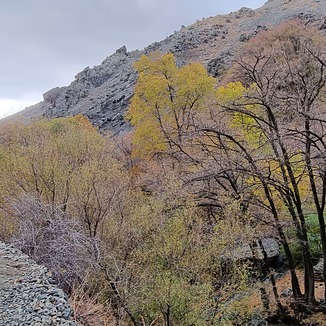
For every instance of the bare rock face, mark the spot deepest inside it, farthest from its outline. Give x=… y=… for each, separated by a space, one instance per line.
x=244 y=252
x=102 y=93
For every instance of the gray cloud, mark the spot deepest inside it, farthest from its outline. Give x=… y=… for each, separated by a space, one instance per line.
x=45 y=42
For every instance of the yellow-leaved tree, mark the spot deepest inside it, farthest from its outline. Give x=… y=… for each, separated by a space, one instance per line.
x=165 y=102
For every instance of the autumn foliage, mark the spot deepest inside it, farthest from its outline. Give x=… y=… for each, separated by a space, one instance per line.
x=147 y=226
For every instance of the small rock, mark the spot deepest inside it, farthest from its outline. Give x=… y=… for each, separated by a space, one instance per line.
x=244 y=38
x=287 y=293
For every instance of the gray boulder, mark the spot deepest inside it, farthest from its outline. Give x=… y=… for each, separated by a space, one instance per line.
x=244 y=252
x=319 y=270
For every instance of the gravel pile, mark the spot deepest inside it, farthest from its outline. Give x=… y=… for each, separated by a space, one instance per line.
x=28 y=294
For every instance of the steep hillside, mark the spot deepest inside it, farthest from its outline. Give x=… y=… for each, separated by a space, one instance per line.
x=102 y=93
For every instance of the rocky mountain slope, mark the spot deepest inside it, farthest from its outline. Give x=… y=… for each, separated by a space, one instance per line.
x=102 y=93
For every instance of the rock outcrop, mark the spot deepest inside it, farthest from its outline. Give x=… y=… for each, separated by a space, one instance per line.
x=245 y=252
x=102 y=93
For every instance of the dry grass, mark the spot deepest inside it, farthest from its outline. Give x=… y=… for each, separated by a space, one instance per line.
x=88 y=311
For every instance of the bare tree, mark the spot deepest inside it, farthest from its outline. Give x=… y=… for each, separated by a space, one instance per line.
x=49 y=237
x=276 y=129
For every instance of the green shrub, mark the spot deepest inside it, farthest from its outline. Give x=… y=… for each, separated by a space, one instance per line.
x=313 y=238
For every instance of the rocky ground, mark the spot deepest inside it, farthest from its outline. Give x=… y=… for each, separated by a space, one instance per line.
x=28 y=295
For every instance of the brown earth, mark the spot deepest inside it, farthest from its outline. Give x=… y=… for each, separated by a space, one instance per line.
x=283 y=285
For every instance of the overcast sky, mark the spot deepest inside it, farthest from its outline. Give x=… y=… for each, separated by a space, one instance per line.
x=45 y=43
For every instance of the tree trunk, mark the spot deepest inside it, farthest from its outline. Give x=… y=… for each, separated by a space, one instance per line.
x=166 y=315
x=272 y=279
